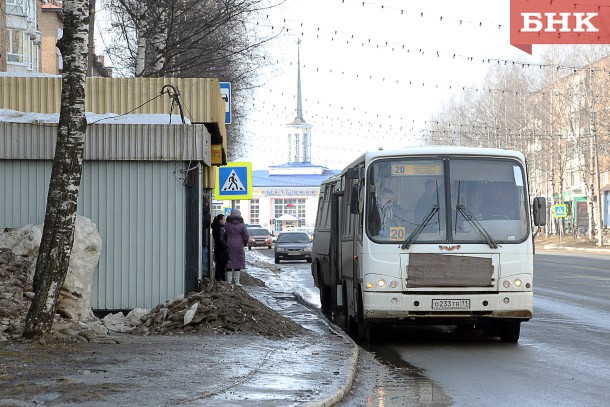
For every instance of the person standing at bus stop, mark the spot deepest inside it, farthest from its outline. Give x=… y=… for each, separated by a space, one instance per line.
x=221 y=248
x=237 y=240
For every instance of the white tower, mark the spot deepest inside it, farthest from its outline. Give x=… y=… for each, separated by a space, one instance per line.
x=299 y=132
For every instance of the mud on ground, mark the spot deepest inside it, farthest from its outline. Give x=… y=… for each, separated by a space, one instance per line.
x=56 y=371
x=570 y=240
x=218 y=307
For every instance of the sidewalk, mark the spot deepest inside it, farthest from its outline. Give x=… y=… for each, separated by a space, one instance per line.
x=313 y=369
x=571 y=244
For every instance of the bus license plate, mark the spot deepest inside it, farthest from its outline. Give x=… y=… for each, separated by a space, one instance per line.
x=450 y=304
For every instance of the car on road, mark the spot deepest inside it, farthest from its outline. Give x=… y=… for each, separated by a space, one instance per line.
x=259 y=237
x=292 y=246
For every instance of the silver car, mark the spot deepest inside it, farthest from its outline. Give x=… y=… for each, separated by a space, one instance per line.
x=292 y=246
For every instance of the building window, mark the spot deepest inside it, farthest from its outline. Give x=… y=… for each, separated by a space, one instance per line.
x=297 y=148
x=216 y=208
x=254 y=212
x=295 y=207
x=15 y=7
x=16 y=50
x=25 y=8
x=33 y=56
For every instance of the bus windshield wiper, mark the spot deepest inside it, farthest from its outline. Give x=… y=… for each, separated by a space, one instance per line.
x=477 y=225
x=420 y=227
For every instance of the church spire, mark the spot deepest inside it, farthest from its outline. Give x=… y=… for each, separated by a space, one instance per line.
x=299 y=133
x=299 y=101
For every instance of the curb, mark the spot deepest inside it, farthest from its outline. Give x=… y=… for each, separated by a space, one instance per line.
x=341 y=392
x=353 y=359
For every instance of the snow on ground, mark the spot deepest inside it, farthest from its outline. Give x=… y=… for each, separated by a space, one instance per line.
x=14 y=116
x=286 y=277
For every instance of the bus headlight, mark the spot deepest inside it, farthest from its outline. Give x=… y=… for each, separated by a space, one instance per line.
x=517 y=283
x=380 y=283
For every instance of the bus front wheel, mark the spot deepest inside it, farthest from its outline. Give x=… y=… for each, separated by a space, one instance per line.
x=349 y=322
x=325 y=297
x=509 y=331
x=366 y=328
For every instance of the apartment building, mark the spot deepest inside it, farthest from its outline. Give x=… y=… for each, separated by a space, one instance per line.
x=51 y=28
x=20 y=38
x=29 y=31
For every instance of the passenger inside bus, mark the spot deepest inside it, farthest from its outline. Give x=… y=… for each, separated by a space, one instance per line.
x=501 y=202
x=426 y=201
x=425 y=204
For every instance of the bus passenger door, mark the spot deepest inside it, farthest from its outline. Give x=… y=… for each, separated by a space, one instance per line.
x=335 y=246
x=349 y=266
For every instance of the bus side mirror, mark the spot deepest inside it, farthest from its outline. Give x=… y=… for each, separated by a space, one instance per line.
x=353 y=202
x=539 y=211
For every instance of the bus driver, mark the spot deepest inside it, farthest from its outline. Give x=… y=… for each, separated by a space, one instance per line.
x=391 y=214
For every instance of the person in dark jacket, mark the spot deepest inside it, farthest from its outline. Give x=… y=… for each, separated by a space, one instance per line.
x=221 y=248
x=237 y=239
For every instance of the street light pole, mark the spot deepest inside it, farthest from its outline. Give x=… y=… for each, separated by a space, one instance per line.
x=598 y=200
x=552 y=160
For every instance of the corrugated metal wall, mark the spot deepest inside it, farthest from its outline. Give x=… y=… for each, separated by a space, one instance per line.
x=110 y=142
x=139 y=209
x=22 y=183
x=200 y=96
x=141 y=206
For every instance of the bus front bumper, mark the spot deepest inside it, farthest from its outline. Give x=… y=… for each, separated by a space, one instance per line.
x=465 y=306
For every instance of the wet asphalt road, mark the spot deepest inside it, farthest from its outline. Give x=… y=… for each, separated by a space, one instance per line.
x=562 y=358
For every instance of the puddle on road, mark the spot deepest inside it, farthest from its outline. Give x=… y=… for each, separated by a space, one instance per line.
x=405 y=384
x=385 y=379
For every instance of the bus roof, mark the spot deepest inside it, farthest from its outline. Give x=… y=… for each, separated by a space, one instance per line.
x=437 y=150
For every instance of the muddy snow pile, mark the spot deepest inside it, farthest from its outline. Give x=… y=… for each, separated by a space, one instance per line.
x=219 y=307
x=18 y=252
x=15 y=292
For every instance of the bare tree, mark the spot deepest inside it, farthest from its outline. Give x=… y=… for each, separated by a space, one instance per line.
x=58 y=231
x=194 y=38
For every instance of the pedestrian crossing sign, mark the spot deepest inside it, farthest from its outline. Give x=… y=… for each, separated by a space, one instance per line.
x=233 y=181
x=559 y=211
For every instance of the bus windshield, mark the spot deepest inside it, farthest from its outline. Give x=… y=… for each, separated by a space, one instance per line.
x=459 y=200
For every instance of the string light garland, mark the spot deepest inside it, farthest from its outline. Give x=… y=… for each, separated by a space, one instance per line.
x=393 y=46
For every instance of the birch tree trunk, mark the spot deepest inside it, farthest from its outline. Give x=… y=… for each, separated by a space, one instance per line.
x=141 y=34
x=159 y=43
x=58 y=231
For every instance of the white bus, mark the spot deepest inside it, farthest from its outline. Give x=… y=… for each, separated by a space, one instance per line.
x=438 y=235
